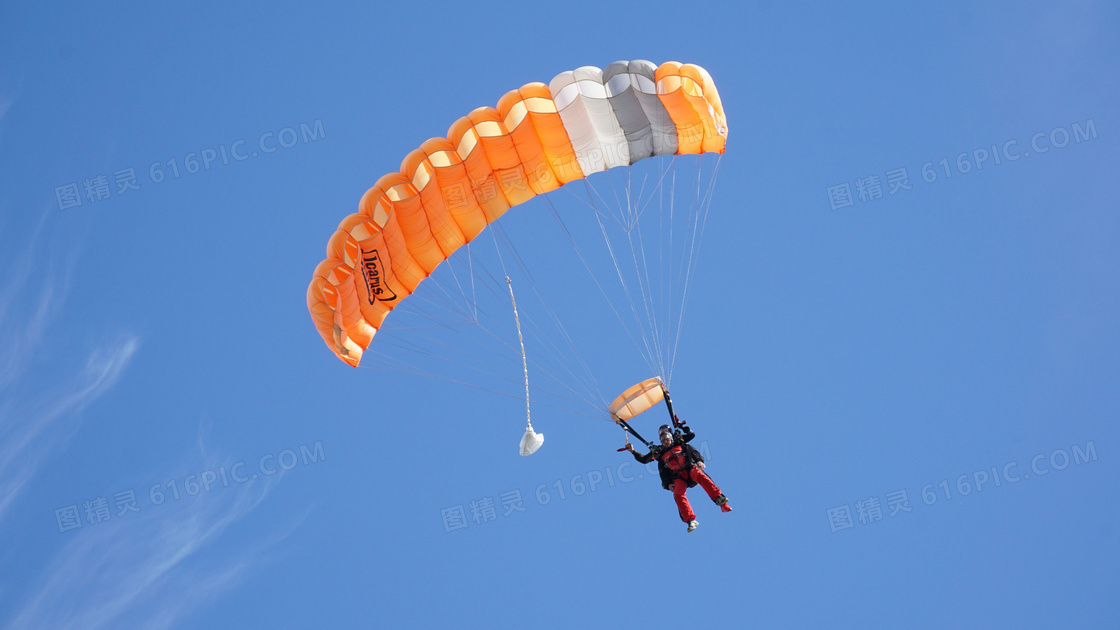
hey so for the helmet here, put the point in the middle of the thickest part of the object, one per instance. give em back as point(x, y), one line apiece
point(664, 429)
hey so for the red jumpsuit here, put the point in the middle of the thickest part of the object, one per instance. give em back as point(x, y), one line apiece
point(676, 461)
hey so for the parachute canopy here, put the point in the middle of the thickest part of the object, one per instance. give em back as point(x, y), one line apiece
point(636, 399)
point(451, 188)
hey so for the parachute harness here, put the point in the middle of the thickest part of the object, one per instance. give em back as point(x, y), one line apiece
point(531, 441)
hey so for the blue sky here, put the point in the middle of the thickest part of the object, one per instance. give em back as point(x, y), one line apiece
point(836, 350)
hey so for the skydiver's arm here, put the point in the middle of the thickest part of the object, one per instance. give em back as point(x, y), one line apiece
point(643, 459)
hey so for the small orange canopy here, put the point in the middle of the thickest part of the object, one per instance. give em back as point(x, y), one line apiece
point(636, 399)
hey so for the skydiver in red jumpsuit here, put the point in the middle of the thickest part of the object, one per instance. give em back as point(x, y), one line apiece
point(681, 467)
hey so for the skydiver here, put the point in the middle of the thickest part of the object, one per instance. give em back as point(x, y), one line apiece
point(681, 467)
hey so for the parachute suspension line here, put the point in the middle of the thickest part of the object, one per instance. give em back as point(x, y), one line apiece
point(701, 220)
point(474, 291)
point(658, 186)
point(589, 391)
point(587, 266)
point(414, 340)
point(420, 372)
point(629, 213)
point(467, 302)
point(587, 379)
point(431, 347)
point(588, 384)
point(670, 262)
point(645, 282)
point(649, 354)
point(470, 303)
point(627, 219)
point(516, 255)
point(647, 299)
point(397, 364)
point(426, 345)
point(657, 303)
point(661, 317)
point(630, 204)
point(507, 242)
point(452, 310)
point(665, 265)
point(593, 192)
point(624, 209)
point(474, 362)
point(667, 214)
point(642, 190)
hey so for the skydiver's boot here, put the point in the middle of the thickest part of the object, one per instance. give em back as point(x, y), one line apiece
point(692, 525)
point(721, 501)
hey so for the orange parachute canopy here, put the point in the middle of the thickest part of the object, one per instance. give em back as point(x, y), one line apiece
point(448, 190)
point(637, 399)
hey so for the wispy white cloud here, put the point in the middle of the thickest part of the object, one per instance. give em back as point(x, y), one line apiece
point(35, 419)
point(7, 99)
point(152, 569)
point(22, 331)
point(31, 432)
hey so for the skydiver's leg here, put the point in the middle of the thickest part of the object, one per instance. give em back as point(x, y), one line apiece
point(685, 509)
point(706, 483)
